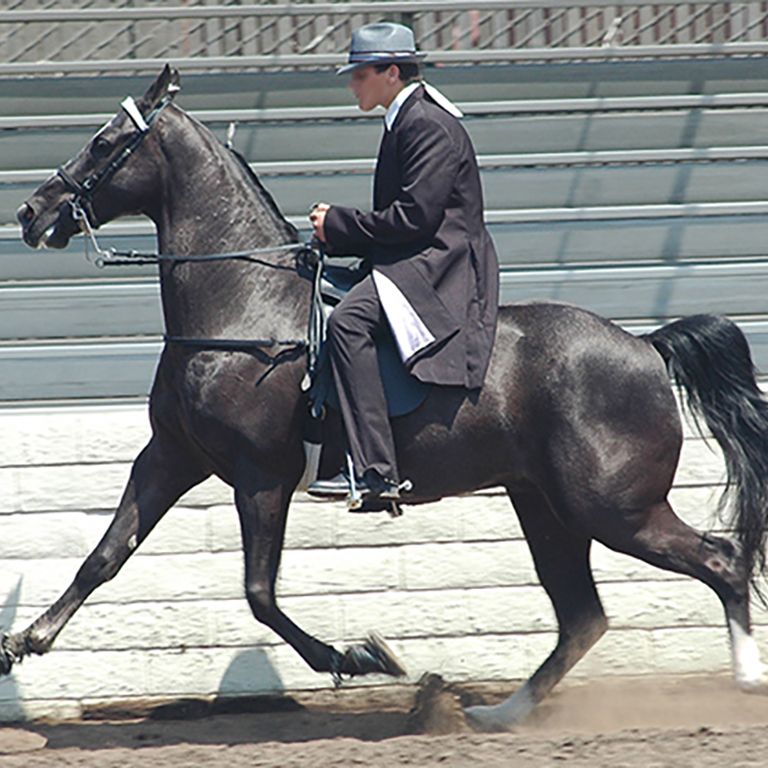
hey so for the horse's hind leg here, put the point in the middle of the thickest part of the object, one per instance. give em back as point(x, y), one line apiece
point(561, 558)
point(158, 479)
point(659, 537)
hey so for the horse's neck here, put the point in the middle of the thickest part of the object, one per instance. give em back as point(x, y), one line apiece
point(211, 206)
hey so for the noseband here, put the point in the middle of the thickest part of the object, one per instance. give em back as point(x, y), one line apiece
point(84, 190)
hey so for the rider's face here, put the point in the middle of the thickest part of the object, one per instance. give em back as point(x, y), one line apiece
point(374, 89)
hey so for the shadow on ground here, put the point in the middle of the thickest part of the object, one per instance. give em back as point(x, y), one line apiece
point(297, 725)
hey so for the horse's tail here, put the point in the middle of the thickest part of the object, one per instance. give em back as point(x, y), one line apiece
point(710, 359)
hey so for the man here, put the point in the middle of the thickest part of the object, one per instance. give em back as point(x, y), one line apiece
point(435, 273)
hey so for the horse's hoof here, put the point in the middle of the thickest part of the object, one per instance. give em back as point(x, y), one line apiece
point(388, 662)
point(7, 657)
point(373, 656)
point(757, 686)
point(501, 717)
point(487, 719)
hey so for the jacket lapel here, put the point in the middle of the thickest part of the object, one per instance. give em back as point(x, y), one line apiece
point(386, 183)
point(386, 166)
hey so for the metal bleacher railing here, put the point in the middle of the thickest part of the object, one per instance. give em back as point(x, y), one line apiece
point(124, 30)
point(623, 149)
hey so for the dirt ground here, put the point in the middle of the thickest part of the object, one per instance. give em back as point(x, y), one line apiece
point(699, 722)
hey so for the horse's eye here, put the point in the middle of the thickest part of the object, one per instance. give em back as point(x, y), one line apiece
point(100, 147)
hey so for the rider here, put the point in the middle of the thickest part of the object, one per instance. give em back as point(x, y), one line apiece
point(435, 278)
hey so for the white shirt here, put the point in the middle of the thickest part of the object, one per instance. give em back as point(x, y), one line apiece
point(397, 102)
point(438, 97)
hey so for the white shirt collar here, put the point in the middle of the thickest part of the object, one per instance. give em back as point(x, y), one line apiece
point(397, 103)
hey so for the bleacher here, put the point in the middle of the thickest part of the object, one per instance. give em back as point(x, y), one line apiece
point(631, 186)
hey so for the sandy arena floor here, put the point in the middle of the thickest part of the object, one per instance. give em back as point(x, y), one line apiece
point(699, 722)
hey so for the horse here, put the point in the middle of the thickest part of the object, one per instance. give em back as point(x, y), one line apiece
point(577, 418)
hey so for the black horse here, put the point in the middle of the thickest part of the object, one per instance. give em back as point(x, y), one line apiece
point(577, 418)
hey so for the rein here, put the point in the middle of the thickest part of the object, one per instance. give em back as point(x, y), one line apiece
point(83, 214)
point(111, 257)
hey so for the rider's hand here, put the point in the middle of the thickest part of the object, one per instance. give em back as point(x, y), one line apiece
point(317, 217)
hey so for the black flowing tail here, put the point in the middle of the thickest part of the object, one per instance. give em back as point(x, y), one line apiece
point(711, 362)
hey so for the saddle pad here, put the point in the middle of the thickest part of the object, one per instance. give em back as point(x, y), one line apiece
point(404, 392)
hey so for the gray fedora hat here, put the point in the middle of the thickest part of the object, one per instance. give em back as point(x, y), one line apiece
point(382, 43)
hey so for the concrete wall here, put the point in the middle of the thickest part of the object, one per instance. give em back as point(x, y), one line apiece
point(451, 585)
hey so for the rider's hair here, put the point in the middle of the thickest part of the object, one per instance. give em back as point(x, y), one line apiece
point(410, 71)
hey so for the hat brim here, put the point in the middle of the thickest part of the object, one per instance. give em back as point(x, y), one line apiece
point(411, 58)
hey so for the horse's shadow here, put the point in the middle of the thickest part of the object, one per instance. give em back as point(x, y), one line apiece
point(281, 727)
point(232, 716)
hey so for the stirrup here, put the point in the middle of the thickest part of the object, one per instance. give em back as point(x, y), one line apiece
point(356, 501)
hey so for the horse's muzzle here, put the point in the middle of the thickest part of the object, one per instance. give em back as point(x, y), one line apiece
point(51, 227)
point(25, 215)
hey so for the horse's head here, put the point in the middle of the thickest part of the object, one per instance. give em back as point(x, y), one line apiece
point(107, 178)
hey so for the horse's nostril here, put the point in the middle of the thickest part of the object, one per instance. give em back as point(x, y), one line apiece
point(25, 214)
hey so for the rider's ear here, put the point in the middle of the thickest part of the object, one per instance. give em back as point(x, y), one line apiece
point(165, 86)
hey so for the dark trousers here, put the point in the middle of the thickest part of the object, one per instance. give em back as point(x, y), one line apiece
point(352, 329)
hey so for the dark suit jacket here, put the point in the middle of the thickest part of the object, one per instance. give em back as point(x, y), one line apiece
point(426, 234)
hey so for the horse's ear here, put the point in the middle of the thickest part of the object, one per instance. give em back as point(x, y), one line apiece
point(175, 85)
point(165, 86)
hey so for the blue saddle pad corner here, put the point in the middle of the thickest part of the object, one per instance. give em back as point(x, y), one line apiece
point(404, 392)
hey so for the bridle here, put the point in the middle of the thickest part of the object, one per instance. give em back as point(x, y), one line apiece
point(84, 190)
point(84, 215)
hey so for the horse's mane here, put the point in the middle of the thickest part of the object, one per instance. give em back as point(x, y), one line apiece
point(266, 197)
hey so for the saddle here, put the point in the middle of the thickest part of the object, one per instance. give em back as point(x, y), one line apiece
point(404, 393)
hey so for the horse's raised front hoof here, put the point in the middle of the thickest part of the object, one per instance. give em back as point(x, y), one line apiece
point(373, 656)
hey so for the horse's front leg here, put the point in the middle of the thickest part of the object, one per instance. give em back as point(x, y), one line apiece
point(263, 516)
point(160, 475)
